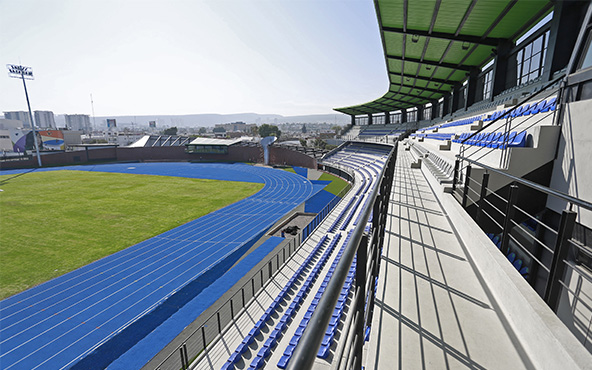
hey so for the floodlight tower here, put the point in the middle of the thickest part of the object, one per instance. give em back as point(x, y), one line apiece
point(22, 72)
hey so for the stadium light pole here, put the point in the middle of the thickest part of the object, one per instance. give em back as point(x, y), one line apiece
point(18, 71)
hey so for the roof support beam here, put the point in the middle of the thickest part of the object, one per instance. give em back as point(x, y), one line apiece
point(431, 63)
point(411, 104)
point(446, 36)
point(416, 95)
point(419, 88)
point(383, 107)
point(436, 80)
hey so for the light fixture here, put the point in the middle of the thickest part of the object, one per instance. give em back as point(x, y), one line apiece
point(414, 39)
point(428, 68)
point(465, 45)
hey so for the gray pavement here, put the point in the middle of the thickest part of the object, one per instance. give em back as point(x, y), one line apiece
point(432, 311)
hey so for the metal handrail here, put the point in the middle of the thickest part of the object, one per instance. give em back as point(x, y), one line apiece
point(534, 185)
point(305, 353)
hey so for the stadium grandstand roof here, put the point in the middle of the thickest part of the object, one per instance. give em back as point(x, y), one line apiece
point(432, 45)
point(211, 141)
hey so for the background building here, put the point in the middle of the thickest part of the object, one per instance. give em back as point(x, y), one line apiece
point(20, 116)
point(6, 124)
point(44, 119)
point(79, 122)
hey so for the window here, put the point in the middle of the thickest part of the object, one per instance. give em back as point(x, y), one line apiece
point(530, 59)
point(427, 111)
point(396, 117)
point(487, 84)
point(412, 115)
point(586, 61)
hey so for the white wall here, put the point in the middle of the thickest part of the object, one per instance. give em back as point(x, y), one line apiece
point(572, 172)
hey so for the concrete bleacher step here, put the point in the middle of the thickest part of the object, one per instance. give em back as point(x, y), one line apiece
point(518, 161)
point(477, 126)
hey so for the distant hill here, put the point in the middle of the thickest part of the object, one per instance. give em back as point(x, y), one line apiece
point(209, 120)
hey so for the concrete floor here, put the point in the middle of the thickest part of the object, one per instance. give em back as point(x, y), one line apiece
point(432, 311)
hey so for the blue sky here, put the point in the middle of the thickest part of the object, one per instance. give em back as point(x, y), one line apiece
point(287, 57)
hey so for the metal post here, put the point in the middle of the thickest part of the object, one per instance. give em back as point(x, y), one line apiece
point(553, 288)
point(481, 203)
point(455, 177)
point(507, 220)
point(466, 189)
point(361, 259)
point(203, 336)
point(32, 122)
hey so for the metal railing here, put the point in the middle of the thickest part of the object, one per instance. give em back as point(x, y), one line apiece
point(197, 341)
point(366, 248)
point(546, 248)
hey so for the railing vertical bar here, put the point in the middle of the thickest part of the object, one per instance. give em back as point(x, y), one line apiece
point(481, 203)
point(466, 189)
point(553, 288)
point(512, 197)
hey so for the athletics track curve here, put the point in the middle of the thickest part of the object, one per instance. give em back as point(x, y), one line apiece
point(57, 323)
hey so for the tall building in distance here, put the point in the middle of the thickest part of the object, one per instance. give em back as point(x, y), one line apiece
point(44, 119)
point(79, 122)
point(20, 116)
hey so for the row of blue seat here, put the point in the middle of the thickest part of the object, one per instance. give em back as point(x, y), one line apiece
point(525, 110)
point(335, 318)
point(277, 332)
point(351, 214)
point(250, 337)
point(341, 215)
point(516, 262)
point(496, 140)
point(378, 132)
point(435, 136)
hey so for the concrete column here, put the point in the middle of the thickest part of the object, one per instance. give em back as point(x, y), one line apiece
point(471, 90)
point(353, 119)
point(403, 115)
point(387, 118)
point(434, 109)
point(420, 113)
point(369, 118)
point(504, 69)
point(565, 27)
point(446, 104)
point(455, 97)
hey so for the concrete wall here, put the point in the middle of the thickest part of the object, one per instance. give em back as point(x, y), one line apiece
point(282, 156)
point(572, 172)
point(278, 156)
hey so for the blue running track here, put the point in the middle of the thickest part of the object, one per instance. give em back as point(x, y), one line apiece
point(58, 323)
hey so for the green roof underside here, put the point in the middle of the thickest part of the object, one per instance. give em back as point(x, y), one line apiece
point(431, 45)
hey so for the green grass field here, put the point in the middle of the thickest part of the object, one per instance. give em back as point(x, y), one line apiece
point(337, 184)
point(54, 222)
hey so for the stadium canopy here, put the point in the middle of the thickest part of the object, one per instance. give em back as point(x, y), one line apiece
point(432, 45)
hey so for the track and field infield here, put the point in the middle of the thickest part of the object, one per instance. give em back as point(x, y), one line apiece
point(58, 323)
point(337, 184)
point(57, 221)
